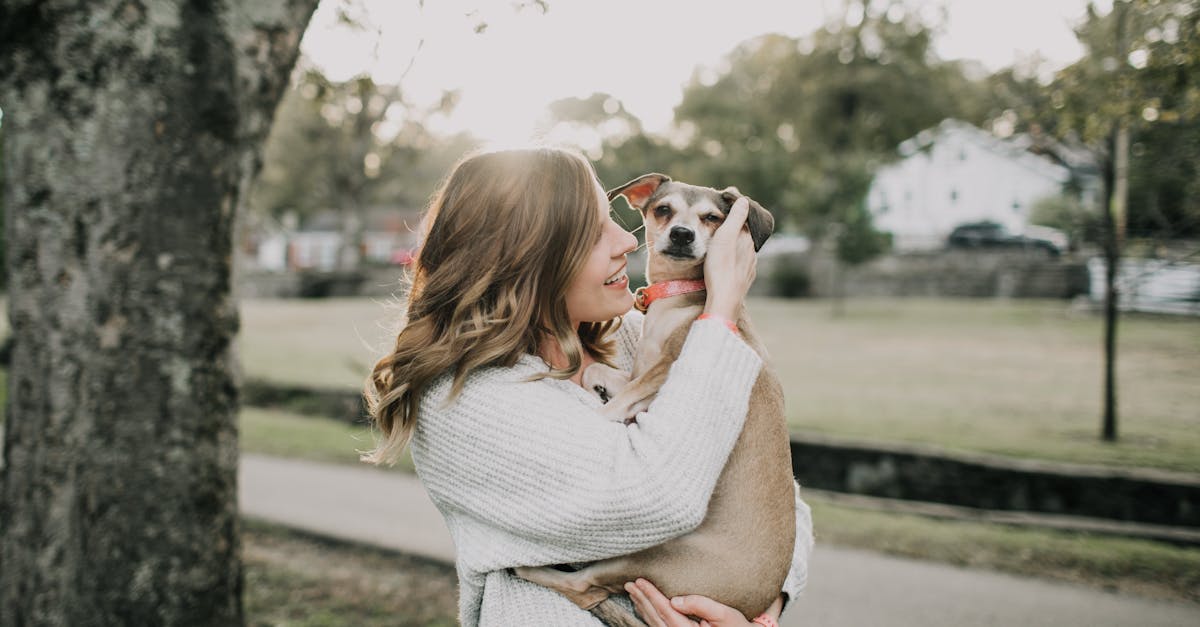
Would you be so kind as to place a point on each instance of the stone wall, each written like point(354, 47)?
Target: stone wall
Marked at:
point(997, 483)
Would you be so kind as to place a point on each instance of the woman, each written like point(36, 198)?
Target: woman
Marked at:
point(520, 285)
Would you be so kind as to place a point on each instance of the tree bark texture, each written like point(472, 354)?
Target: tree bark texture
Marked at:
point(131, 129)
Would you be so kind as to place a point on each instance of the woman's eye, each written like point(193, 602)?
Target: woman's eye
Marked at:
point(662, 211)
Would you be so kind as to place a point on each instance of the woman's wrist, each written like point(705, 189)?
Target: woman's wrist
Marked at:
point(729, 324)
point(721, 307)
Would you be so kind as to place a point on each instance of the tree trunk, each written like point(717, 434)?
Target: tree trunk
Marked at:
point(1112, 260)
point(132, 128)
point(1116, 179)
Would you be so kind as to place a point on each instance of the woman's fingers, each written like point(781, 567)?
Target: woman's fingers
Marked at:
point(645, 609)
point(659, 611)
point(735, 219)
point(730, 264)
point(701, 607)
point(654, 607)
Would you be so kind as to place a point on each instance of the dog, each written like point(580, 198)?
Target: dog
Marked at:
point(741, 553)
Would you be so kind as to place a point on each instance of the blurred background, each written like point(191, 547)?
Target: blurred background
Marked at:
point(952, 181)
point(940, 172)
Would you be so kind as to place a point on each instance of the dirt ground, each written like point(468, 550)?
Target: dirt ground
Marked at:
point(299, 581)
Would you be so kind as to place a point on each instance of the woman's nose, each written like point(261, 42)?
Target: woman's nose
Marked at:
point(631, 242)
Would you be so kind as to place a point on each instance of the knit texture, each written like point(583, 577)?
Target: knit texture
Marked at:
point(528, 473)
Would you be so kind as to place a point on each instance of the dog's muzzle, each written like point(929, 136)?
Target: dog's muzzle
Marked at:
point(682, 236)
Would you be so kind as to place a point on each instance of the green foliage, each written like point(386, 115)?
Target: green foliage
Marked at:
point(350, 145)
point(1164, 179)
point(800, 124)
point(790, 280)
point(1069, 215)
point(804, 123)
point(1155, 88)
point(857, 240)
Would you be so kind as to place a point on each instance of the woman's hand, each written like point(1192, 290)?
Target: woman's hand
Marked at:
point(730, 264)
point(658, 611)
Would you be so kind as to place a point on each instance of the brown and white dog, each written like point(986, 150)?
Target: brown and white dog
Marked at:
point(741, 553)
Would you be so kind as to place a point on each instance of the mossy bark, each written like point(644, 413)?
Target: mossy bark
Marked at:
point(131, 130)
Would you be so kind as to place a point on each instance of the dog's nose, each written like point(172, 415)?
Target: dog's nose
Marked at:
point(682, 236)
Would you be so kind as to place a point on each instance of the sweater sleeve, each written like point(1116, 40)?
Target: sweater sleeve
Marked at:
point(797, 577)
point(552, 482)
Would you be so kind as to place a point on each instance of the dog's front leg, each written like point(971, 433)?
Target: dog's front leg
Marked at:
point(585, 588)
point(635, 397)
point(578, 586)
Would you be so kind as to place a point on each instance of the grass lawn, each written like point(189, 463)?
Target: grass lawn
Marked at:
point(1013, 378)
point(283, 434)
point(1020, 378)
point(1137, 566)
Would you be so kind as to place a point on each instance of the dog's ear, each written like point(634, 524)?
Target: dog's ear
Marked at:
point(639, 189)
point(760, 221)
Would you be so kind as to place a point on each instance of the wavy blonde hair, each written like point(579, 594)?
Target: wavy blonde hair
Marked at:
point(503, 239)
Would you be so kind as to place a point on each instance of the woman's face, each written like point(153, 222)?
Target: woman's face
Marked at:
point(600, 291)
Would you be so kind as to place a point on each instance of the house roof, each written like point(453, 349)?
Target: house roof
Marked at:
point(1016, 149)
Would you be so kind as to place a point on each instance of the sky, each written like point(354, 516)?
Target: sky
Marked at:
point(640, 51)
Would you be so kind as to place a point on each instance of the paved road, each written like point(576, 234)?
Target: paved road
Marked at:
point(847, 588)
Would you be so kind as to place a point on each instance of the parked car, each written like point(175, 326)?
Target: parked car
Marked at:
point(994, 235)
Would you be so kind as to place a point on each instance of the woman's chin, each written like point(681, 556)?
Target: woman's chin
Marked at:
point(616, 308)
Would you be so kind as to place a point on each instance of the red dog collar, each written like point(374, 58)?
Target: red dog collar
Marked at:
point(643, 296)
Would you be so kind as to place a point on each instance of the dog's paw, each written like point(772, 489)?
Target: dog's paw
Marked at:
point(604, 380)
point(602, 392)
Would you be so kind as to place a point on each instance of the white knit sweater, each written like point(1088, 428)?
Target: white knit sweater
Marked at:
point(529, 474)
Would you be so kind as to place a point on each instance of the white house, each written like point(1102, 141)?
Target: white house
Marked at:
point(956, 173)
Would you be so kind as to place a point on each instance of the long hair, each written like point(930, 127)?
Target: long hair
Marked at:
point(503, 239)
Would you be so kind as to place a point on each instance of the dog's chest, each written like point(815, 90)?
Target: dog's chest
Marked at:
point(661, 322)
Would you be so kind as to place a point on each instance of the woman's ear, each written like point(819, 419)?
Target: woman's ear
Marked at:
point(639, 189)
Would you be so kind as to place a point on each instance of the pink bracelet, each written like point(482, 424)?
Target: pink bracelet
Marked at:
point(766, 620)
point(730, 324)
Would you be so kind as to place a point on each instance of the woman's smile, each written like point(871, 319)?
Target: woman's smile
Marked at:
point(619, 279)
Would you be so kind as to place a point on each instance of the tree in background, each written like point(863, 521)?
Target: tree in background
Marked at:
point(1069, 215)
point(1135, 98)
point(346, 146)
point(1153, 84)
point(131, 130)
point(803, 124)
point(612, 137)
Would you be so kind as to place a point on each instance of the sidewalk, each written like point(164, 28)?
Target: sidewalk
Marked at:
point(847, 588)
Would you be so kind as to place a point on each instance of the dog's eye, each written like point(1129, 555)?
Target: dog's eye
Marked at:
point(662, 211)
point(714, 218)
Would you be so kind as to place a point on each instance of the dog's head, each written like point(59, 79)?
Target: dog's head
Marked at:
point(680, 218)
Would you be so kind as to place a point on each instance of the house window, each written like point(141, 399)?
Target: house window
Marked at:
point(953, 196)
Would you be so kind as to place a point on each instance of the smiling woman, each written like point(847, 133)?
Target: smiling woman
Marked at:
point(519, 284)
